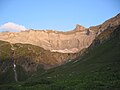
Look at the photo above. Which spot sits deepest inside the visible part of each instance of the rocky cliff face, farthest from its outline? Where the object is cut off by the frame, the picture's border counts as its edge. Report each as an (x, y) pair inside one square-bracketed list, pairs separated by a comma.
[(64, 42)]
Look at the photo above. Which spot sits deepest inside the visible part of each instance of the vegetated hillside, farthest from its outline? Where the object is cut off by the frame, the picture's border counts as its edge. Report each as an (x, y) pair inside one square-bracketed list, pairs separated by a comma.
[(99, 68), (28, 59)]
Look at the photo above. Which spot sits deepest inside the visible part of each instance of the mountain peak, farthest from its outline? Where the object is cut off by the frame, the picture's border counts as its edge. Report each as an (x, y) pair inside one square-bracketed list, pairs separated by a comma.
[(79, 28)]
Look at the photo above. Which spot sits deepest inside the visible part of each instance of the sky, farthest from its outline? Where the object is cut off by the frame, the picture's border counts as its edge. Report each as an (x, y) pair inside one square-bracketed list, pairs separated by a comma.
[(62, 15)]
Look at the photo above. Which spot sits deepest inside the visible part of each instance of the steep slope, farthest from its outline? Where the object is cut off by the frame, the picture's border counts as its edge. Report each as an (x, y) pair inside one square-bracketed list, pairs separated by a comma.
[(28, 59), (99, 68)]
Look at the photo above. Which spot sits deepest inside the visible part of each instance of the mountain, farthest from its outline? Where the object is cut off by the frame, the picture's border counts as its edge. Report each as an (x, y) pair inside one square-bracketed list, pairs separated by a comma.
[(65, 42), (55, 41), (95, 67), (98, 68)]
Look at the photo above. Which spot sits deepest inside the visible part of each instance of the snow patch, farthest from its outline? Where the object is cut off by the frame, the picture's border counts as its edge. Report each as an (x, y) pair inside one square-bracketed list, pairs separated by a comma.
[(73, 50)]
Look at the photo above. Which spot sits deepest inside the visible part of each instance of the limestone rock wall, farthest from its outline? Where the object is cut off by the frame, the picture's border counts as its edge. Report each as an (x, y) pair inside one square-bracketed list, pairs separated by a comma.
[(72, 41)]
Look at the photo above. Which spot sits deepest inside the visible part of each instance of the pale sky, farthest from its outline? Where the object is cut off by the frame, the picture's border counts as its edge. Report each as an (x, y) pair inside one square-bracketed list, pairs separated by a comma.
[(60, 15)]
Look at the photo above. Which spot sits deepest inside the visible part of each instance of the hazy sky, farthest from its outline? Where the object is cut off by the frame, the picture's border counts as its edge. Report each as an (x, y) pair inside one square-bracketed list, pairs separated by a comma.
[(57, 14)]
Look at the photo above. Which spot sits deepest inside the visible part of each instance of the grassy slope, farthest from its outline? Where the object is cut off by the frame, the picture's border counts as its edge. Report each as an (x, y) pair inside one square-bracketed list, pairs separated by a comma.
[(99, 69)]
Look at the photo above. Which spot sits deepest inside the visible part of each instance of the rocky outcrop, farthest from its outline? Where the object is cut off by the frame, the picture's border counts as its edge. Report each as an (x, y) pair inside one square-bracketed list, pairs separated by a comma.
[(106, 31), (79, 28)]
